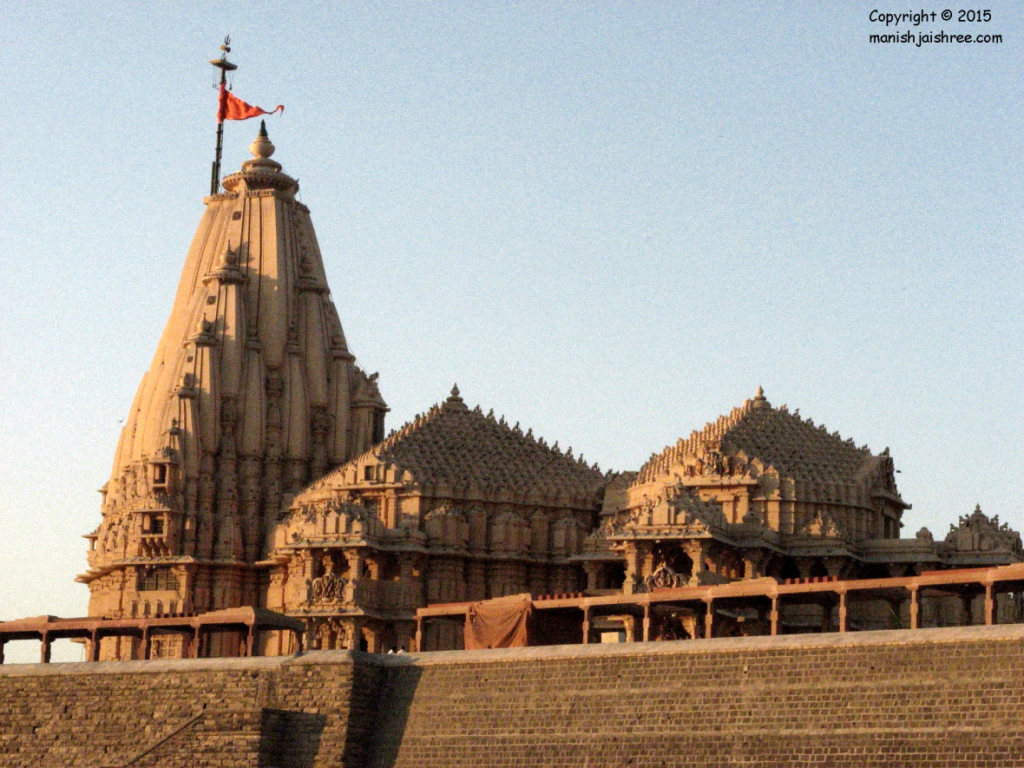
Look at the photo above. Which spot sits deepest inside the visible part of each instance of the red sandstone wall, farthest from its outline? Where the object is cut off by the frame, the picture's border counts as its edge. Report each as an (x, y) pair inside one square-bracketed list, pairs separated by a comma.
[(942, 697)]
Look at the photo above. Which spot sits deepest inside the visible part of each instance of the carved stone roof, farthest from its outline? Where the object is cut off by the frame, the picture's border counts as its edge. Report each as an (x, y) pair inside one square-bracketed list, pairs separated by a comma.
[(794, 446), (463, 448)]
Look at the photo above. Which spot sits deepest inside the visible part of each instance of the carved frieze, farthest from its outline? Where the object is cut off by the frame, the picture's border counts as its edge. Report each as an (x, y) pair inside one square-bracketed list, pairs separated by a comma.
[(664, 577), (327, 588)]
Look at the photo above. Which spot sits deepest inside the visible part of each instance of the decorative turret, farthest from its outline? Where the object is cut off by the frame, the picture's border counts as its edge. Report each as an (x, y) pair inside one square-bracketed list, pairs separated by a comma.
[(252, 393)]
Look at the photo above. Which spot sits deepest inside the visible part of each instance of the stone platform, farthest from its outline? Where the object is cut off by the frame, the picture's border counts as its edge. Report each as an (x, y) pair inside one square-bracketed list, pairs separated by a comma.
[(930, 697)]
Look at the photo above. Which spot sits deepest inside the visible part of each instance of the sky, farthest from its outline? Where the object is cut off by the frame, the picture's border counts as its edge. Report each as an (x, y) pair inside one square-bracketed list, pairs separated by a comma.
[(608, 221)]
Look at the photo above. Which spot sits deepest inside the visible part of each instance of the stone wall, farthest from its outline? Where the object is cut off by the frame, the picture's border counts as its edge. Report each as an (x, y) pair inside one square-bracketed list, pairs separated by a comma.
[(933, 697), (207, 713)]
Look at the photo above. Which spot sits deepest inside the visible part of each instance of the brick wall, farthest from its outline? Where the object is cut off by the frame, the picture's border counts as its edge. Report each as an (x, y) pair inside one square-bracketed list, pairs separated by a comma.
[(937, 697)]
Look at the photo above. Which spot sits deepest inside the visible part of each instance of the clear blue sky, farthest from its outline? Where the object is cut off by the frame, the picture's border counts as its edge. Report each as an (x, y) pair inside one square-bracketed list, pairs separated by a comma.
[(608, 221)]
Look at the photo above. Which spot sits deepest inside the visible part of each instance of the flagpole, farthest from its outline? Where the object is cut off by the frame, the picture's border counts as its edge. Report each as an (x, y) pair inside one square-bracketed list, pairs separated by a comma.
[(225, 66)]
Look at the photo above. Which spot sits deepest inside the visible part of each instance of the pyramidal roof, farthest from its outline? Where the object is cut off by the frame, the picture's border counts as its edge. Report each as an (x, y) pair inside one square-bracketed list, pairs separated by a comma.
[(459, 446), (794, 446)]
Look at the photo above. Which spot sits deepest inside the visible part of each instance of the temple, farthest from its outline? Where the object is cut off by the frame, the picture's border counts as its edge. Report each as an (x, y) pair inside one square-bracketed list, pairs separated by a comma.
[(253, 471)]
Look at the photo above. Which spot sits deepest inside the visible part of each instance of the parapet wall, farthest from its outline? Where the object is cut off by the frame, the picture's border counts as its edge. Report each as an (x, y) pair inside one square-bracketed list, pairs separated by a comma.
[(932, 697)]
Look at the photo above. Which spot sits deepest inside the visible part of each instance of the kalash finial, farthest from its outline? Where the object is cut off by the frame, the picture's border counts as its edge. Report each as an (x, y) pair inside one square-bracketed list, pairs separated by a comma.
[(263, 147), (454, 402), (760, 401)]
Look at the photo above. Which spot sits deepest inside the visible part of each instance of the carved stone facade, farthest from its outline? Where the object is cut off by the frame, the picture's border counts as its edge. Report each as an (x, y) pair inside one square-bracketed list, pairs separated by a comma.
[(253, 470), (764, 492), (456, 506)]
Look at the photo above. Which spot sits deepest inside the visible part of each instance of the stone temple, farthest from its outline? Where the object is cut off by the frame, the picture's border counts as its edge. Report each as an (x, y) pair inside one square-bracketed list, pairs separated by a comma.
[(254, 470)]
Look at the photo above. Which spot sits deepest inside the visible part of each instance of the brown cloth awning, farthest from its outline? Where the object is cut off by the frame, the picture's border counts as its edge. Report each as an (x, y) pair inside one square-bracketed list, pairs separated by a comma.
[(499, 623)]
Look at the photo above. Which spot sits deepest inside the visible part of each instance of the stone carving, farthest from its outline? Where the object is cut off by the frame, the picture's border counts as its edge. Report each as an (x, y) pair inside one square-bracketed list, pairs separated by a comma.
[(325, 589), (664, 577), (328, 587), (978, 532), (693, 514), (823, 523)]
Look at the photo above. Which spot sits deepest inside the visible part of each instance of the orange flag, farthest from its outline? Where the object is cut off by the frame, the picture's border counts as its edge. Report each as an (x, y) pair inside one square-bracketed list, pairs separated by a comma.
[(233, 108)]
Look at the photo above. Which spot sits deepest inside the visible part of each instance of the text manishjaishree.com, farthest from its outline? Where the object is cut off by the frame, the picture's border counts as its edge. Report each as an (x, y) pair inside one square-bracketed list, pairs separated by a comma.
[(919, 38)]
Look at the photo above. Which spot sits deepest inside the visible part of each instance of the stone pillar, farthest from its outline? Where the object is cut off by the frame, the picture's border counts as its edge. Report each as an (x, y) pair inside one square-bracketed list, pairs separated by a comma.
[(709, 619), (2, 644), (966, 610), (804, 565), (697, 550), (629, 625), (834, 566), (355, 564), (634, 558), (989, 606), (915, 609), (356, 635), (476, 580), (647, 623), (842, 612), (186, 645), (44, 651), (593, 570), (826, 617), (774, 616), (276, 591), (586, 625), (896, 609), (754, 563), (405, 635)]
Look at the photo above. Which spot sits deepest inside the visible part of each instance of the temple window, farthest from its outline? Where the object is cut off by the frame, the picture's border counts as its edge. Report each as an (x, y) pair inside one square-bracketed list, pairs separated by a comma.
[(157, 579), (153, 525)]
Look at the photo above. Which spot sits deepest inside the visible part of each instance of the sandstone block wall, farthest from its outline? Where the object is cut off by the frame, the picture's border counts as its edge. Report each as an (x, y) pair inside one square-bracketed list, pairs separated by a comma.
[(935, 697), (929, 698), (209, 713)]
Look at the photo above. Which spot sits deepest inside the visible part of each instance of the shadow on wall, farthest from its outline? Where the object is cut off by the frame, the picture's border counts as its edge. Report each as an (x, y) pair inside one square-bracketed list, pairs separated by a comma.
[(290, 739), (398, 688)]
